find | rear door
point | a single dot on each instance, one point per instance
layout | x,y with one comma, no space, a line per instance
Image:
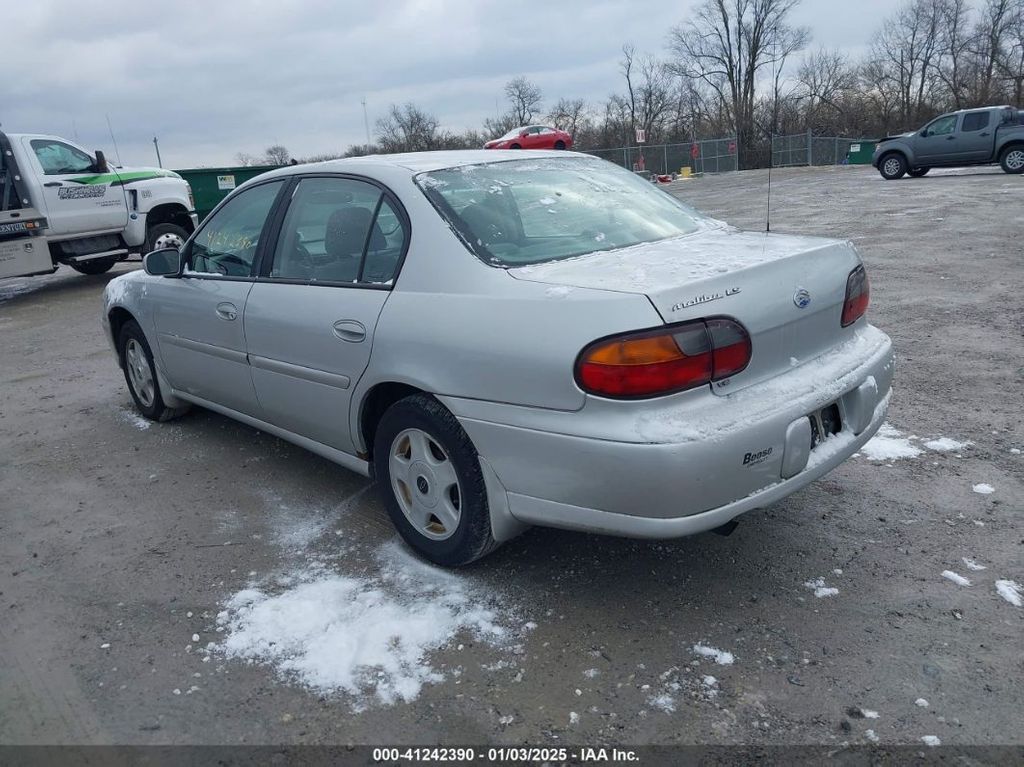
311,316
77,198
976,136
199,315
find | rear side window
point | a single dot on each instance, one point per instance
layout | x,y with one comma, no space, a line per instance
339,230
974,121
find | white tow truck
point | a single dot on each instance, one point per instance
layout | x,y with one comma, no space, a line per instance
62,205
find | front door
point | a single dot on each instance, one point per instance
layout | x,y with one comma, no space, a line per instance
310,317
936,143
199,315
77,198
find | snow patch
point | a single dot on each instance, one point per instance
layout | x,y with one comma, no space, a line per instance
889,445
1010,591
931,740
983,489
820,589
559,291
921,703
721,657
369,636
135,419
959,580
663,702
970,564
945,444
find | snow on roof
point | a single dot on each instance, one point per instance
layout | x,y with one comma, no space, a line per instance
420,162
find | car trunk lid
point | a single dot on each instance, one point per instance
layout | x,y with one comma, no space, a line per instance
787,291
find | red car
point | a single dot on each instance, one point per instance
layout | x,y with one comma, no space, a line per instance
532,137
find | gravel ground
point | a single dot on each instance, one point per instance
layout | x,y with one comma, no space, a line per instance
121,543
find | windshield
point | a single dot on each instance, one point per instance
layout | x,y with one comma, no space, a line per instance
530,211
514,133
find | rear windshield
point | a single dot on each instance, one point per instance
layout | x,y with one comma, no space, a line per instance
535,210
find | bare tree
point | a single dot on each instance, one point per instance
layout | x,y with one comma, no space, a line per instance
956,43
276,155
569,115
648,91
908,47
525,98
726,45
1010,60
245,159
409,129
824,79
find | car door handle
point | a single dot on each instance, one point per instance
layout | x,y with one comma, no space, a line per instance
985,133
950,138
227,311
53,183
350,330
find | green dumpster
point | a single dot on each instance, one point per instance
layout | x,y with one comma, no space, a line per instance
211,185
860,152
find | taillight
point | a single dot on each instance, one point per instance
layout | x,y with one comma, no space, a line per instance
858,293
664,361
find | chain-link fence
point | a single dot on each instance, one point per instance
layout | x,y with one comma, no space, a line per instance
706,156
807,149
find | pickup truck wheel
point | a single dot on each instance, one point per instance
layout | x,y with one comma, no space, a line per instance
892,166
165,236
1012,159
94,266
428,473
140,374
918,172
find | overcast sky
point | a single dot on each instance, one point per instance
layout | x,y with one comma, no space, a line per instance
219,77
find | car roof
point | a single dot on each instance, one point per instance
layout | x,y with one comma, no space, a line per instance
421,162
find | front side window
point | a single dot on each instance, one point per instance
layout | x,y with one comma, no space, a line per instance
530,211
226,245
974,121
58,158
943,126
339,230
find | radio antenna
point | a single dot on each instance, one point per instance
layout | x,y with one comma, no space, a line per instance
771,131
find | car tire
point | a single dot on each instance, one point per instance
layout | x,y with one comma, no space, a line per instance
892,166
918,172
94,266
559,145
429,477
515,146
140,374
164,236
1011,159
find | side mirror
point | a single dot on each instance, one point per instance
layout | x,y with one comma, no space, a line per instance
101,162
925,133
165,262
524,133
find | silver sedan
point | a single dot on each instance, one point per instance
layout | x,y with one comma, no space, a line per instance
503,340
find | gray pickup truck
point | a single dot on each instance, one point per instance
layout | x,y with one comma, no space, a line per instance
968,137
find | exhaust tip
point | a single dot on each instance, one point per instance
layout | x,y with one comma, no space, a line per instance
726,529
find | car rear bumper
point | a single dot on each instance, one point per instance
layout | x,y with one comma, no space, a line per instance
704,477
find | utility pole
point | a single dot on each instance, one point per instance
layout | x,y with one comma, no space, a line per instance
156,145
366,121
114,140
